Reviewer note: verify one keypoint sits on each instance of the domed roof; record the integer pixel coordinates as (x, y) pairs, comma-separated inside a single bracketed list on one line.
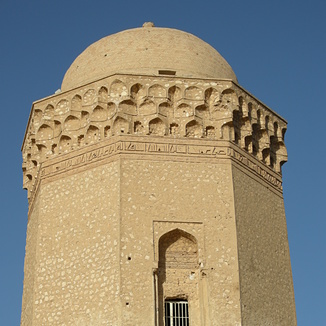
[(150, 51)]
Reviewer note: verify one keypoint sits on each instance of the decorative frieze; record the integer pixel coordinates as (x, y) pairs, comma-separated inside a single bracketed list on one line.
[(152, 107), (154, 148)]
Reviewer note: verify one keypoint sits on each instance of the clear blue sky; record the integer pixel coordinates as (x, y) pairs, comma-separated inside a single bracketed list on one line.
[(278, 52)]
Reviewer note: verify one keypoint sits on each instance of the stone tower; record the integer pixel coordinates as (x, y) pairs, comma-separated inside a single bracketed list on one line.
[(155, 192)]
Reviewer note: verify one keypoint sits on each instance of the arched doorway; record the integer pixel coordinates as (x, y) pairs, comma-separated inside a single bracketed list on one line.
[(178, 279)]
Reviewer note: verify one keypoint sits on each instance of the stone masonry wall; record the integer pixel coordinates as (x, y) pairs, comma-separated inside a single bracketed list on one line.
[(113, 166), (98, 217), (32, 240), (76, 279), (266, 287), (170, 195)]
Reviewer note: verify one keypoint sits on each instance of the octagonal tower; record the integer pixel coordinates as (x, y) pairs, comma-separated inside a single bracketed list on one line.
[(155, 192)]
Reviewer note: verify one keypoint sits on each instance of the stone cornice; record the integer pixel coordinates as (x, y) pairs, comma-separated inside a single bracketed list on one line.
[(154, 149), (171, 108)]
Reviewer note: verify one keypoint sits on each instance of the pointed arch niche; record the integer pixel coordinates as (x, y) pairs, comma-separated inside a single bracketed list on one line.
[(179, 264)]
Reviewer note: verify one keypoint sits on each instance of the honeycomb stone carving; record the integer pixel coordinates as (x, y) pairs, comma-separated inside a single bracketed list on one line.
[(151, 107)]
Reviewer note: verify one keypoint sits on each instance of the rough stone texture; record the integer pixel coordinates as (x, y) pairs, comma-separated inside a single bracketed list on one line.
[(32, 244), (76, 279), (264, 258), (145, 187), (189, 197)]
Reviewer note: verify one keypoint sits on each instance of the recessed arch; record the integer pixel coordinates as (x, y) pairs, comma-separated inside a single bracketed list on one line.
[(120, 126), (268, 124), (37, 116), (49, 112), (103, 94), (194, 129), (89, 97), (118, 89), (202, 111), (276, 129), (99, 114), (252, 114), (184, 110), (44, 132), (72, 123), (157, 91), (174, 129), (178, 248), (165, 109), (107, 131), (138, 128), (157, 127), (210, 132), (259, 117), (128, 107), (64, 143), (212, 96), (92, 134), (147, 108), (138, 92), (283, 133), (42, 150), (229, 100), (194, 93), (178, 258), (62, 107), (174, 94), (76, 103)]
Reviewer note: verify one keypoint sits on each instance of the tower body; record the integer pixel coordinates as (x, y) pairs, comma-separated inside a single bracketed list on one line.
[(154, 183)]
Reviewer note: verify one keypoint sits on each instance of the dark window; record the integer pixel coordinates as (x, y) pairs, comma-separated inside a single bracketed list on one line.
[(176, 313), (167, 72)]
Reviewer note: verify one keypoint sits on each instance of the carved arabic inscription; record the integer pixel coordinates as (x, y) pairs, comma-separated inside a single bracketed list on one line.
[(157, 148)]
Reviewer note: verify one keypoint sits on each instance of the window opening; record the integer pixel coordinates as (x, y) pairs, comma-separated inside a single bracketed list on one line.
[(167, 72), (176, 313)]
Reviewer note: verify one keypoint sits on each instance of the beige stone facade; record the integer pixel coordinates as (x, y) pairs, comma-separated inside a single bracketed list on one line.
[(154, 176)]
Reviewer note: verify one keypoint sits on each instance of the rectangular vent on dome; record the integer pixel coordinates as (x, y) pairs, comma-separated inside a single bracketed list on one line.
[(167, 72)]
